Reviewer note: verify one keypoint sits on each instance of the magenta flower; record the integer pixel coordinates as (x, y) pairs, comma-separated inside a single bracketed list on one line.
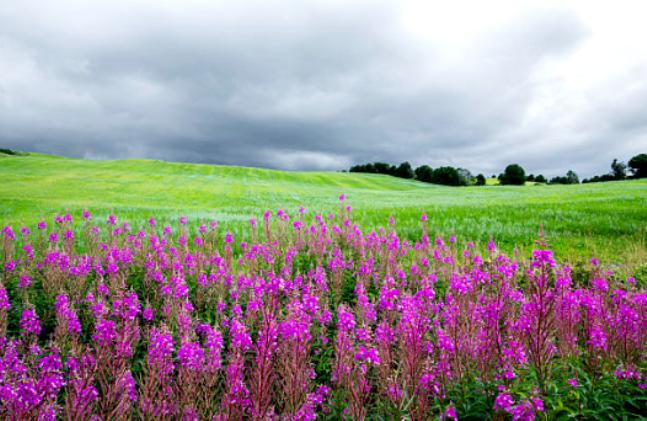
[(29, 323)]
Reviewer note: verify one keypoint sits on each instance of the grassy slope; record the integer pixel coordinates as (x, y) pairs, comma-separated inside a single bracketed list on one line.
[(605, 219)]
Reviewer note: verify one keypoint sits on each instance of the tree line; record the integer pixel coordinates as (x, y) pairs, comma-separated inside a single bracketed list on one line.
[(513, 174)]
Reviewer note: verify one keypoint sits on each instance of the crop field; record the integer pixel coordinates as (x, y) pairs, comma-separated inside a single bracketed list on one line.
[(152, 290)]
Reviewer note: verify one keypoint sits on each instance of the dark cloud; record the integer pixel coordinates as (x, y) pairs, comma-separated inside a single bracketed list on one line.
[(317, 85)]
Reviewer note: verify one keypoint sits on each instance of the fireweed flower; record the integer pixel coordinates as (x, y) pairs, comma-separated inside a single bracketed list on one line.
[(7, 233), (29, 323), (191, 355), (503, 402), (420, 317), (4, 300), (24, 281), (450, 413), (147, 314)]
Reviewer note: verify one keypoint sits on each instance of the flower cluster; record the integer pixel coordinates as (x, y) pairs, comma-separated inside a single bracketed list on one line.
[(297, 319)]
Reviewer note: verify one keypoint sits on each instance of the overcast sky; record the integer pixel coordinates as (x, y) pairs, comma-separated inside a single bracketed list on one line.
[(326, 84)]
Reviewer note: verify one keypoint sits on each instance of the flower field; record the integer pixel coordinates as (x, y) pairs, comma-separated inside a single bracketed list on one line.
[(308, 318)]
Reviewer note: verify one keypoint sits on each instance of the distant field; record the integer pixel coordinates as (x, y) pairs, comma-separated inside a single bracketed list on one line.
[(607, 220)]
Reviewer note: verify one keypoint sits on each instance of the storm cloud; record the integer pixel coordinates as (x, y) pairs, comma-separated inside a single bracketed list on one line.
[(326, 84)]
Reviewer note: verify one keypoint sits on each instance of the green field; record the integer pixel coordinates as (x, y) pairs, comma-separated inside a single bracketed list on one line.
[(607, 220)]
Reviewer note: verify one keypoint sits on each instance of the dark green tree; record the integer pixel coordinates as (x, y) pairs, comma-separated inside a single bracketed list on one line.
[(572, 178), (446, 175), (514, 175), (404, 170), (638, 165), (464, 177), (424, 173), (618, 170), (384, 168), (480, 180), (540, 179)]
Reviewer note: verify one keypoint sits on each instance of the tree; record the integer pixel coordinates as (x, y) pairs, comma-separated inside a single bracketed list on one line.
[(559, 179), (404, 170), (446, 175), (384, 168), (530, 178), (618, 170), (480, 180), (464, 177), (424, 173), (572, 177), (540, 179), (514, 175), (638, 165)]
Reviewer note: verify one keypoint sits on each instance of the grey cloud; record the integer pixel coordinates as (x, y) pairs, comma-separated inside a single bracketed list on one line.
[(303, 85)]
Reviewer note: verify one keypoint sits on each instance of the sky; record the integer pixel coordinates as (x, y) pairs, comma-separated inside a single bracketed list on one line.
[(322, 85)]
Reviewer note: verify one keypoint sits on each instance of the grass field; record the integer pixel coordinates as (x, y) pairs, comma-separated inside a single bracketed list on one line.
[(326, 322), (607, 220)]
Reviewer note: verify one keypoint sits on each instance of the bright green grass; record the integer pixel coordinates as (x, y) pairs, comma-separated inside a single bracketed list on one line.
[(607, 220)]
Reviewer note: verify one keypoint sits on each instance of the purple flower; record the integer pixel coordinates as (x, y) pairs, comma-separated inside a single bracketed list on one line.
[(450, 413), (147, 314), (368, 355), (503, 402), (29, 322), (23, 281), (4, 300), (191, 356)]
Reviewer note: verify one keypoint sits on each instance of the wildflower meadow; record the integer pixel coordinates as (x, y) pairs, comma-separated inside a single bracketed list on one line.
[(309, 316)]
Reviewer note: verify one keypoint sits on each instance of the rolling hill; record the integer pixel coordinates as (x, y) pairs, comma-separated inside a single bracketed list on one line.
[(607, 220)]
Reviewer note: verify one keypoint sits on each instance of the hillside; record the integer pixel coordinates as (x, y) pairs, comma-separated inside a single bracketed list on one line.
[(602, 219)]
